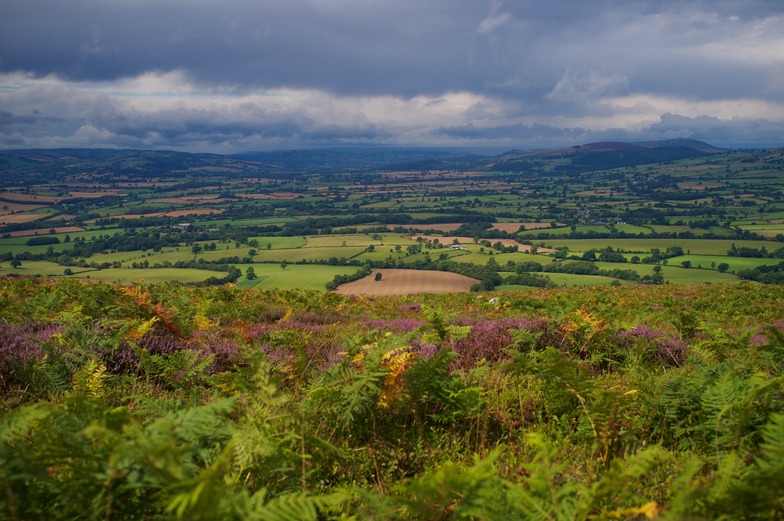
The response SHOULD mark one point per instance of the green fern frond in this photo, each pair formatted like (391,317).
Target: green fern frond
(90,379)
(718,401)
(454,491)
(297,506)
(546,494)
(20,423)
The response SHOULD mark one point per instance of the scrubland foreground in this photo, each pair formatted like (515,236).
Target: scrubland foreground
(166,402)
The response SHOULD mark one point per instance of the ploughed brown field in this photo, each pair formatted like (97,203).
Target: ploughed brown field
(175,213)
(274,195)
(447,240)
(21,218)
(31,198)
(408,282)
(93,195)
(192,199)
(45,231)
(441,227)
(515,227)
(6,207)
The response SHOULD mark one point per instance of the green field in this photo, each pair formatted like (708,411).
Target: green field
(309,254)
(35,268)
(629,228)
(638,246)
(564,230)
(566,279)
(150,275)
(675,275)
(294,276)
(736,263)
(279,242)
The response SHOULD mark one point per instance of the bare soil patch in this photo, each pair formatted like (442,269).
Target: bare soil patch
(7,207)
(202,211)
(189,199)
(148,184)
(21,218)
(408,282)
(273,195)
(31,198)
(175,213)
(45,231)
(92,195)
(602,192)
(446,241)
(699,187)
(441,227)
(515,227)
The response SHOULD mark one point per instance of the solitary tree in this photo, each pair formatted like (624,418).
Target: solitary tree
(250,273)
(723,266)
(16,263)
(378,275)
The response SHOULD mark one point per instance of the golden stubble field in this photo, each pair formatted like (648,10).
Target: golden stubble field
(408,282)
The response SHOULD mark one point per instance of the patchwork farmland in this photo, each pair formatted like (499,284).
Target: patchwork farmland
(512,221)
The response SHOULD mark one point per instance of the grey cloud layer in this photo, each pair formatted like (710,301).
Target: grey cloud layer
(543,59)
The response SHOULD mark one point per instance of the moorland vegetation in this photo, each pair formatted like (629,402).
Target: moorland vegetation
(161,401)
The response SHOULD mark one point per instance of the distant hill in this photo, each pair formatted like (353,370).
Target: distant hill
(352,159)
(47,164)
(162,163)
(54,163)
(606,155)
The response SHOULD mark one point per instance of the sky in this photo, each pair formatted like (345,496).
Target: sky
(240,75)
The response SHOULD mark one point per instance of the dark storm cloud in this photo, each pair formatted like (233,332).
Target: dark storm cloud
(405,47)
(341,46)
(538,69)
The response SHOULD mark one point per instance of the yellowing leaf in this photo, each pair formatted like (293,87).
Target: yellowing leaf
(203,323)
(650,510)
(135,333)
(397,360)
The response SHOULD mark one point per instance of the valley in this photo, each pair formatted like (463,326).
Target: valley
(601,210)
